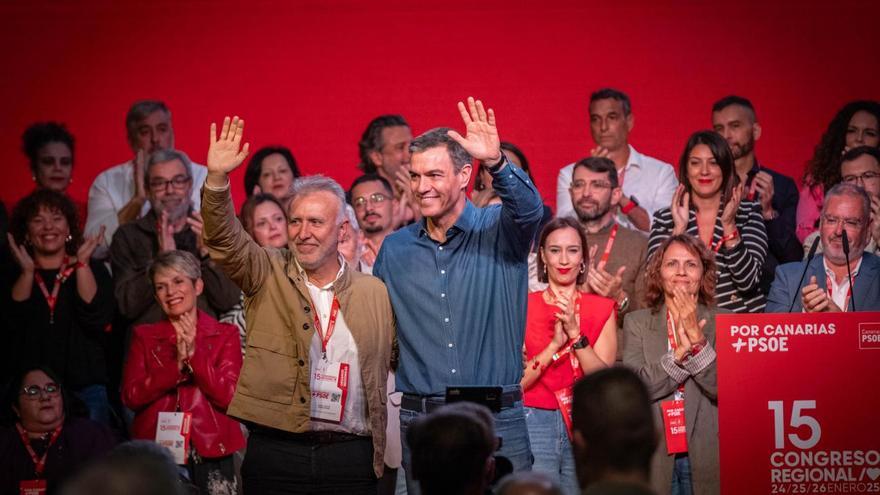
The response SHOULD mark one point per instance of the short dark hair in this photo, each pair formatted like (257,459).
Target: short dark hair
(613,94)
(552,226)
(140,110)
(507,147)
(246,216)
(137,467)
(369,178)
(450,447)
(731,100)
(40,134)
(600,165)
(438,137)
(371,139)
(612,410)
(723,157)
(255,166)
(12,393)
(859,151)
(29,207)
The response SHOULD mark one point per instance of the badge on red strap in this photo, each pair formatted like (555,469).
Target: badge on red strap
(674,426)
(32,487)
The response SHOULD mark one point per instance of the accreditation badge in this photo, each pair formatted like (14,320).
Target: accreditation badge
(674,426)
(32,487)
(173,432)
(329,391)
(564,401)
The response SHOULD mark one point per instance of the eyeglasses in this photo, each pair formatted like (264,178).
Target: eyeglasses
(375,198)
(579,185)
(33,392)
(178,181)
(852,223)
(863,178)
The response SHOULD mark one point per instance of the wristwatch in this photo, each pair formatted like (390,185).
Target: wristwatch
(633,203)
(582,343)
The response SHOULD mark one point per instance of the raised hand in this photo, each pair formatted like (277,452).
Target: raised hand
(369,251)
(482,141)
(686,305)
(84,253)
(140,167)
(559,336)
(600,152)
(166,234)
(603,283)
(762,186)
(225,152)
(196,224)
(21,255)
(728,214)
(875,219)
(568,316)
(680,208)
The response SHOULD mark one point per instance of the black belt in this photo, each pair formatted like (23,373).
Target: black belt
(305,437)
(429,403)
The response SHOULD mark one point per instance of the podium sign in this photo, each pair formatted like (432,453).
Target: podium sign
(799,403)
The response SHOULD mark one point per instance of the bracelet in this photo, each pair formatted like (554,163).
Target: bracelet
(78,265)
(629,207)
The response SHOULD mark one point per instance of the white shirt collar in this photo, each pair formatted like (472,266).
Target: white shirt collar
(329,286)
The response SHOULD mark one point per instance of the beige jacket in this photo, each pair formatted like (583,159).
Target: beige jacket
(273,389)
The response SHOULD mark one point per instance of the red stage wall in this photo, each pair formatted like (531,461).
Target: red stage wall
(311,74)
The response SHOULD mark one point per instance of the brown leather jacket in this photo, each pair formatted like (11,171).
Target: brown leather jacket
(273,389)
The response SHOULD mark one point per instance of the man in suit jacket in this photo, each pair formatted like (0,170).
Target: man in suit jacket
(826,283)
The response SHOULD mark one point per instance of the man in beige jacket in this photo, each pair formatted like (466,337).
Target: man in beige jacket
(319,336)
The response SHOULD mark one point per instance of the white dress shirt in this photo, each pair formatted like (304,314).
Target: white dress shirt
(651,181)
(341,348)
(114,188)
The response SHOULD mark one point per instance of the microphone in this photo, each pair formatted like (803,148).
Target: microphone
(845,239)
(810,255)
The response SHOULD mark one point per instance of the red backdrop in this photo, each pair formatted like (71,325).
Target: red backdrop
(311,74)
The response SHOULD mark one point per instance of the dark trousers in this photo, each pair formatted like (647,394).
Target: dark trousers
(281,464)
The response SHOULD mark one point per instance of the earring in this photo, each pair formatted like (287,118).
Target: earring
(68,239)
(583,267)
(545,270)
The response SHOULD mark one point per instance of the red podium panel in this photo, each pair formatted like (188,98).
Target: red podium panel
(799,403)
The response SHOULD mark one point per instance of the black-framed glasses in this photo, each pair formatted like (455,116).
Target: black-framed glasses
(375,198)
(34,391)
(178,181)
(865,177)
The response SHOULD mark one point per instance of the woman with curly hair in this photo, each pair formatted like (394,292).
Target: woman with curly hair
(856,124)
(59,303)
(48,147)
(670,345)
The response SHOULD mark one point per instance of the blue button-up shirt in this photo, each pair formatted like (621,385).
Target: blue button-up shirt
(461,304)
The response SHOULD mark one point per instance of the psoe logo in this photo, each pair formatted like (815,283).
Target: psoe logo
(869,335)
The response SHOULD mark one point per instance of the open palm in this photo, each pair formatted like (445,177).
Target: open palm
(225,152)
(482,141)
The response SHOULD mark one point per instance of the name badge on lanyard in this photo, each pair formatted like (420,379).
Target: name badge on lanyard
(329,391)
(32,487)
(173,432)
(35,486)
(673,410)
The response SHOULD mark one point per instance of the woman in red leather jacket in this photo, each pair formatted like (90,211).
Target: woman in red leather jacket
(188,363)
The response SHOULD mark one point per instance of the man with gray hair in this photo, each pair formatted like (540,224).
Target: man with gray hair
(118,195)
(171,223)
(823,283)
(319,336)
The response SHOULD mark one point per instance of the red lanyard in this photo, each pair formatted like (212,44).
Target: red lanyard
(670,332)
(605,254)
(62,276)
(331,324)
(39,463)
(831,292)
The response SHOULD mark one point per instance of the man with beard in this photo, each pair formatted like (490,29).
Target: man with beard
(825,285)
(646,183)
(734,118)
(374,204)
(118,196)
(617,253)
(384,150)
(170,224)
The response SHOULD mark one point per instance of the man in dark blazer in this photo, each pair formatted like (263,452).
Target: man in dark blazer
(825,287)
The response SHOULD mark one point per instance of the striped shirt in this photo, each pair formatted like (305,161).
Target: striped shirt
(738,287)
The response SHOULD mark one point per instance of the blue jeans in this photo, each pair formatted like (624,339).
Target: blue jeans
(551,447)
(96,401)
(681,476)
(510,425)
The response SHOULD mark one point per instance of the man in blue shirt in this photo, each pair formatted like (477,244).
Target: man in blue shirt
(458,279)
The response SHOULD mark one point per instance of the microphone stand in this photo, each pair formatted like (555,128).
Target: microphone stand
(845,239)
